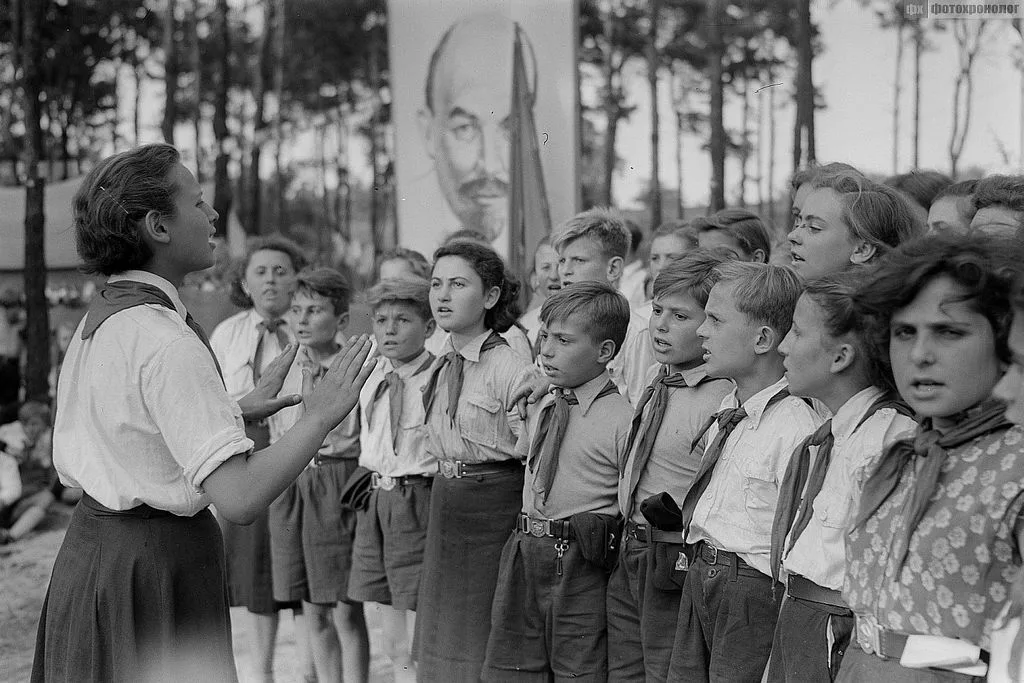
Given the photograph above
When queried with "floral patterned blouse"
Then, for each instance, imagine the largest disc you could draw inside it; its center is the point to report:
(964, 555)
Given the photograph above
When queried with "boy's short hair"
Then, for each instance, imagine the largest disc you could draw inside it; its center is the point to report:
(111, 201)
(599, 308)
(678, 228)
(413, 292)
(34, 410)
(1000, 190)
(636, 235)
(278, 243)
(418, 263)
(745, 227)
(763, 292)
(329, 284)
(604, 226)
(693, 274)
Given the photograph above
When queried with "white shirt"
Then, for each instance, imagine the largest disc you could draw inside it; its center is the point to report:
(820, 552)
(142, 416)
(631, 365)
(378, 445)
(343, 440)
(10, 480)
(645, 310)
(737, 509)
(531, 321)
(234, 341)
(631, 284)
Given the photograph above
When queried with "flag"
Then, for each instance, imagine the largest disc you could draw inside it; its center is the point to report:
(529, 219)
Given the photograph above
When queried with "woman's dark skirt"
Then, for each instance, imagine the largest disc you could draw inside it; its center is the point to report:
(138, 595)
(470, 520)
(250, 578)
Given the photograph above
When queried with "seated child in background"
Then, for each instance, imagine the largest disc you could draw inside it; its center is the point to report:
(310, 533)
(591, 247)
(739, 230)
(644, 588)
(548, 615)
(391, 531)
(29, 443)
(729, 604)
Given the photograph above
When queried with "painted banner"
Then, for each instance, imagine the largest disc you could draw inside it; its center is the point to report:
(455, 119)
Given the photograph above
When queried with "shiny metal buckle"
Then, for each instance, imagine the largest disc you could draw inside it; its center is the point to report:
(682, 562)
(540, 528)
(449, 470)
(384, 482)
(869, 635)
(711, 550)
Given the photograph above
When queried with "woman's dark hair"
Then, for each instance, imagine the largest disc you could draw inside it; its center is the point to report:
(744, 226)
(114, 196)
(920, 186)
(835, 295)
(271, 243)
(983, 266)
(486, 263)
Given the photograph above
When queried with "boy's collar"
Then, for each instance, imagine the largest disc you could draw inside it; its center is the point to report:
(756, 404)
(587, 392)
(409, 367)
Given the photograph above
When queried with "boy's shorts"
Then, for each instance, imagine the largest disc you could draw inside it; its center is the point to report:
(391, 535)
(311, 535)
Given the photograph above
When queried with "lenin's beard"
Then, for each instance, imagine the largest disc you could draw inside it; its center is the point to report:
(484, 206)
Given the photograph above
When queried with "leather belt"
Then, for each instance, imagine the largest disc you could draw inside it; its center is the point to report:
(543, 528)
(386, 483)
(712, 555)
(644, 533)
(805, 589)
(456, 469)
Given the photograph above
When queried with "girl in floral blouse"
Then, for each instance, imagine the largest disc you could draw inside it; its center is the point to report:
(935, 548)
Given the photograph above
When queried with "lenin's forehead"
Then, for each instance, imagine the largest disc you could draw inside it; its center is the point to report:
(477, 57)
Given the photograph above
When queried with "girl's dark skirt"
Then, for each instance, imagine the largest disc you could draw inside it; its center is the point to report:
(470, 520)
(137, 595)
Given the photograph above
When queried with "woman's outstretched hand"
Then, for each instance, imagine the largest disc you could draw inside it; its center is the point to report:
(263, 401)
(337, 392)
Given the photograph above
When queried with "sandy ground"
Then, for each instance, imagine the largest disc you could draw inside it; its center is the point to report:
(25, 570)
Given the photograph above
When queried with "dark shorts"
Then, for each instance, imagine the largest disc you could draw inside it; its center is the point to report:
(387, 555)
(136, 596)
(810, 641)
(311, 535)
(727, 617)
(544, 625)
(642, 612)
(470, 520)
(250, 578)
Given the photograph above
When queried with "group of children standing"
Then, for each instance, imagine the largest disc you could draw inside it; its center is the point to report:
(790, 472)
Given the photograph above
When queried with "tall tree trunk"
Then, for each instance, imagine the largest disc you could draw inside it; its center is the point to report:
(918, 49)
(745, 133)
(37, 326)
(222, 192)
(803, 137)
(611, 107)
(772, 129)
(259, 125)
(680, 205)
(897, 93)
(197, 88)
(374, 69)
(716, 49)
(279, 40)
(652, 79)
(968, 37)
(170, 76)
(138, 71)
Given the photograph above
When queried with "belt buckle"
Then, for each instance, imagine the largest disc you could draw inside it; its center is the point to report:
(712, 550)
(449, 470)
(869, 635)
(539, 528)
(385, 482)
